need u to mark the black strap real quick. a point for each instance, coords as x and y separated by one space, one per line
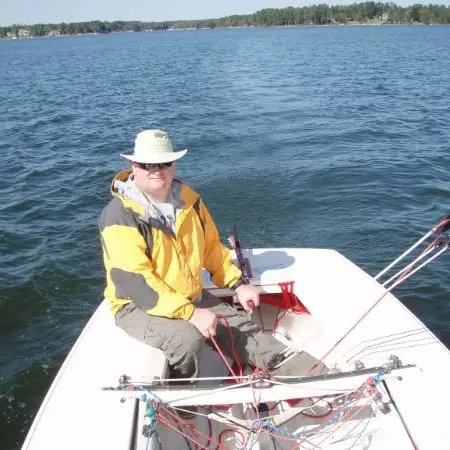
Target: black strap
197 210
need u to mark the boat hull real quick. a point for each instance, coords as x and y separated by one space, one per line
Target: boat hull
77 413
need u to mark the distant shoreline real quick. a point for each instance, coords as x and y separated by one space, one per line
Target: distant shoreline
361 14
336 25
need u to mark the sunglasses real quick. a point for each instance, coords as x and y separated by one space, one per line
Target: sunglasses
150 166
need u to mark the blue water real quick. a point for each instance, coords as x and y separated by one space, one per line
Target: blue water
315 136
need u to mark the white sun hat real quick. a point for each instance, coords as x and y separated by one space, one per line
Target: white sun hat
154 146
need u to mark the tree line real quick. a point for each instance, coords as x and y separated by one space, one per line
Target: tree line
321 14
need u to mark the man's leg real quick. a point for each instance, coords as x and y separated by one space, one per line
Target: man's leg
180 341
256 347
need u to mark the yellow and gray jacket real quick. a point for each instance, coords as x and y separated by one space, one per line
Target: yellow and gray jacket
149 265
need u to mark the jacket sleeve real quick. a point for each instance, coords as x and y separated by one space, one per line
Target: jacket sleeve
217 258
132 274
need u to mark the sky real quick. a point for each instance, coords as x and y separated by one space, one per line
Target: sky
28 12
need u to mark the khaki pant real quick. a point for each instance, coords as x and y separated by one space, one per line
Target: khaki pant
182 343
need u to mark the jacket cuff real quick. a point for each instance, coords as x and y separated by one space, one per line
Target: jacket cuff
188 310
238 283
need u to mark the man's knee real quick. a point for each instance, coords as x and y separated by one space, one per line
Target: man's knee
188 343
183 354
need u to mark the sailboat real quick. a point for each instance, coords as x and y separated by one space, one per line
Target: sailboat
386 387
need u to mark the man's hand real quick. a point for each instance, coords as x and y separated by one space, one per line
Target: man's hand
205 321
246 294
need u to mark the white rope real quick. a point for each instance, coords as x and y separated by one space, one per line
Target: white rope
202 394
319 389
178 380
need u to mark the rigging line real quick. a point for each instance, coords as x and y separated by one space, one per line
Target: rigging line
431 258
368 350
336 422
359 435
213 391
436 243
368 343
180 423
228 420
177 408
187 442
307 433
224 359
332 400
152 394
167 404
274 442
408 432
409 266
330 434
228 430
359 406
377 302
439 227
297 381
340 391
303 435
134 425
178 380
179 431
406 252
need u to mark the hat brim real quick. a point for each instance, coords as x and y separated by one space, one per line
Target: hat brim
156 158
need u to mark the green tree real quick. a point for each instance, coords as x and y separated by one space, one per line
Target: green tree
414 13
319 14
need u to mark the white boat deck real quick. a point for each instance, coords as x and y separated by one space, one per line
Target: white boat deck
77 414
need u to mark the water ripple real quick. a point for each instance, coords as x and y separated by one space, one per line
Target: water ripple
315 136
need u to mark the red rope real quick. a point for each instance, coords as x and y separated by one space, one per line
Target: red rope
175 426
228 430
233 349
287 289
319 416
175 423
210 433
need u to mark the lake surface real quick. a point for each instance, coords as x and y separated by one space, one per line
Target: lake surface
313 136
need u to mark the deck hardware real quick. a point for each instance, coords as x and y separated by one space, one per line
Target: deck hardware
260 381
280 358
263 410
335 369
343 399
444 241
359 365
156 381
124 379
394 362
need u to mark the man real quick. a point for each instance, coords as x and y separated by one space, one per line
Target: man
157 236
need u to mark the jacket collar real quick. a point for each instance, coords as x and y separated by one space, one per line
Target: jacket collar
124 188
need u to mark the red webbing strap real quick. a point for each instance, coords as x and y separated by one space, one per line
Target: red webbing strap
289 300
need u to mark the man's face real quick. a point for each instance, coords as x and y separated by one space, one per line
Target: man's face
154 180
